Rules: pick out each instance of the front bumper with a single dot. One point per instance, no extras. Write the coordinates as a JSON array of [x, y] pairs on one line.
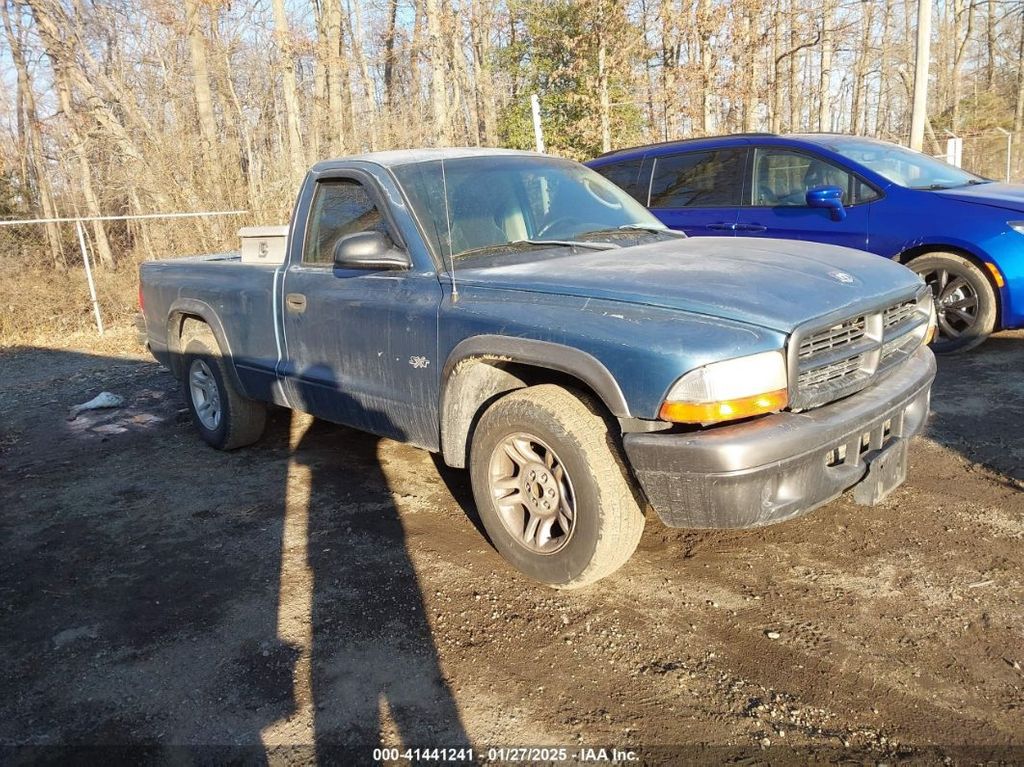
[[781, 466]]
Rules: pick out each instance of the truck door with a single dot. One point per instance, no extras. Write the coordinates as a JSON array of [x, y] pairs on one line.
[[360, 345]]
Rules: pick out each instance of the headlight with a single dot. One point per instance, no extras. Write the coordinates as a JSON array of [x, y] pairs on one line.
[[725, 391], [1017, 226]]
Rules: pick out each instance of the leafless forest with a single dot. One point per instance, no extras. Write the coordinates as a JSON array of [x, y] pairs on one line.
[[121, 108]]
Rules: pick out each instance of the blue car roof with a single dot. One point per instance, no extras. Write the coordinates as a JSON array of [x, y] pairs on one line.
[[736, 139]]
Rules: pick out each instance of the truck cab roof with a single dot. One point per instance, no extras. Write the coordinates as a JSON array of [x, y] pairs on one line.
[[396, 157]]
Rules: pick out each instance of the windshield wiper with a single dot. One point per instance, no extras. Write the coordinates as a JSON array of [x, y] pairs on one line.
[[647, 228], [522, 244], [572, 244], [653, 229]]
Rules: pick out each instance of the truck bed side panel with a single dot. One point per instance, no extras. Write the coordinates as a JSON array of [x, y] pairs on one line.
[[220, 289]]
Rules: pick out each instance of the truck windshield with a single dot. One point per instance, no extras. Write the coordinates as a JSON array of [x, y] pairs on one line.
[[497, 202], [903, 166]]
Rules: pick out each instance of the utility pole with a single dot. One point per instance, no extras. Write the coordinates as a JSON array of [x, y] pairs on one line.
[[924, 36]]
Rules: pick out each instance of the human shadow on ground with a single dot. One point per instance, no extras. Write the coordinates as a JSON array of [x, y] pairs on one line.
[[375, 669], [149, 595]]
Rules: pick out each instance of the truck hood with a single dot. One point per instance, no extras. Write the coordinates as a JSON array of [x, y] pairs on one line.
[[1009, 196], [776, 284]]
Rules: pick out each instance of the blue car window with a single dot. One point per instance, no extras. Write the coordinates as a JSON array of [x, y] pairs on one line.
[[782, 178], [626, 175], [709, 179]]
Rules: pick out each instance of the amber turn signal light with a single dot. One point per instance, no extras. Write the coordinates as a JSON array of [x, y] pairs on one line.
[[726, 410]]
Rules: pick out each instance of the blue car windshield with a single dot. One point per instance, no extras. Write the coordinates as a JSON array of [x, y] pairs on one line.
[[903, 166], [507, 203]]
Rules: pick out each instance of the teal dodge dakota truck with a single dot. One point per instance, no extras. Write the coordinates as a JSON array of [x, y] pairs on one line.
[[534, 324]]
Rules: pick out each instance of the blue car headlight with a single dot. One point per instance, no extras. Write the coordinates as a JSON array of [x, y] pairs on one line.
[[1017, 226]]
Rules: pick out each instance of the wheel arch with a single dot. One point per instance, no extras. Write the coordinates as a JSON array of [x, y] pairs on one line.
[[483, 368], [180, 313], [908, 255]]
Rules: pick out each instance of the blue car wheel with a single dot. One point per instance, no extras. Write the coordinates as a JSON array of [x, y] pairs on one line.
[[965, 302]]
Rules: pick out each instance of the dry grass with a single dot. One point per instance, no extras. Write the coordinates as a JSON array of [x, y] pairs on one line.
[[42, 307]]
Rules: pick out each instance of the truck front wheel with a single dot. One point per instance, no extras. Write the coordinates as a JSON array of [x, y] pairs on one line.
[[552, 488], [224, 417]]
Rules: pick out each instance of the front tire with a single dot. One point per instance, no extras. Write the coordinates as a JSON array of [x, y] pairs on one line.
[[551, 487], [225, 418], [965, 301]]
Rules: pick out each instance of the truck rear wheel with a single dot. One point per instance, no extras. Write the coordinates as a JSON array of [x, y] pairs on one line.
[[552, 488], [224, 417]]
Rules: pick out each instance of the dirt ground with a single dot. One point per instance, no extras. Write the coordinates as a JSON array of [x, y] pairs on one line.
[[324, 587]]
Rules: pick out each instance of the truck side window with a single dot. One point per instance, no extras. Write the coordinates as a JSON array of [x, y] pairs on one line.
[[782, 178], [709, 179], [340, 207]]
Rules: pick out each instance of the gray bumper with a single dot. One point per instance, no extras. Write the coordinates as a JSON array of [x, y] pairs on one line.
[[775, 468]]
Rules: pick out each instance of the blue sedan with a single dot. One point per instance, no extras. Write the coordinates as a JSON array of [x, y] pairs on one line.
[[962, 233]]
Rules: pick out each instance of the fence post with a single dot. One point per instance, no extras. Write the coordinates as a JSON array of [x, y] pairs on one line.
[[88, 275], [538, 131]]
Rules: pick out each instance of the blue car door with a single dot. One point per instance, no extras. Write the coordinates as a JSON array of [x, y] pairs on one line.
[[775, 203], [698, 192], [360, 345]]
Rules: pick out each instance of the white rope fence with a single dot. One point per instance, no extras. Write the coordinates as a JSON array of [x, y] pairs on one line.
[[80, 232]]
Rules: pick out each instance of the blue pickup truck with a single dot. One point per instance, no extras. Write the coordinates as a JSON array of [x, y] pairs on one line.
[[531, 322]]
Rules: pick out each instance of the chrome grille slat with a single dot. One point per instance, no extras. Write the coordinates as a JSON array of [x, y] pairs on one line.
[[841, 358], [838, 335]]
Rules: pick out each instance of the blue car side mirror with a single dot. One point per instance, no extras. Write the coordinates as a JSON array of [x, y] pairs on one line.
[[830, 197]]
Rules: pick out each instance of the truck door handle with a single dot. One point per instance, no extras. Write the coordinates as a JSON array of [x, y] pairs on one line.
[[296, 302], [749, 228], [723, 226]]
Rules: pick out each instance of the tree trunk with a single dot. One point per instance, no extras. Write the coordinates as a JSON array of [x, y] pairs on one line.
[[825, 66], [368, 99], [958, 56], [36, 175], [480, 39], [990, 45], [203, 97], [858, 110], [706, 65], [57, 54], [286, 70], [336, 117], [602, 81], [438, 74], [52, 23], [1018, 112], [389, 56]]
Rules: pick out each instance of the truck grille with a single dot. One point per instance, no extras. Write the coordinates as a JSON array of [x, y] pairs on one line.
[[837, 335], [844, 356]]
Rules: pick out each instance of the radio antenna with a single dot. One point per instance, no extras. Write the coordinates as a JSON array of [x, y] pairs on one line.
[[448, 221]]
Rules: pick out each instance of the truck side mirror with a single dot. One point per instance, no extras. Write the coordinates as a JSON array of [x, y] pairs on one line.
[[828, 197], [368, 250]]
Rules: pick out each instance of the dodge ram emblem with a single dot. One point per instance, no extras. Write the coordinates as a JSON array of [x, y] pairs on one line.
[[843, 277]]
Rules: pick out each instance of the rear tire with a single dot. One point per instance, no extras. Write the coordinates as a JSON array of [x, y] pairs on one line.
[[225, 418], [552, 489], [965, 301]]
